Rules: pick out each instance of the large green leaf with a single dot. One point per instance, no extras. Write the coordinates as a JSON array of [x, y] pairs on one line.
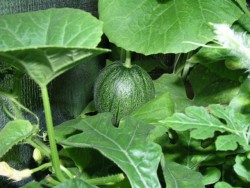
[[13, 133], [128, 146], [47, 43], [52, 27], [161, 26], [178, 176], [204, 122]]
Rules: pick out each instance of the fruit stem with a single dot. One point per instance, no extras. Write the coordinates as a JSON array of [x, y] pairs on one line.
[[128, 60]]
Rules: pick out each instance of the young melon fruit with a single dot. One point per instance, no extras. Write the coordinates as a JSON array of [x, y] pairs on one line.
[[121, 90]]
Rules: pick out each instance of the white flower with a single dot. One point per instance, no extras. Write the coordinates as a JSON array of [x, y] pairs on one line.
[[237, 42], [11, 173]]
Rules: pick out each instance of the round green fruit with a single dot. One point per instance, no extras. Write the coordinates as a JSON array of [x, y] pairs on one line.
[[121, 90]]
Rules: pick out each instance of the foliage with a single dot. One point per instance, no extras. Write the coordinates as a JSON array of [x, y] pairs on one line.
[[150, 27], [194, 133]]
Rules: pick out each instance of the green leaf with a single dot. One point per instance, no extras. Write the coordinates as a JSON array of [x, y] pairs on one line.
[[64, 130], [204, 122], [224, 142], [173, 85], [47, 43], [243, 22], [155, 110], [208, 88], [198, 119], [192, 153], [50, 28], [242, 167], [128, 146], [211, 175], [178, 176], [75, 183], [219, 61], [241, 102], [14, 132], [222, 185], [212, 88], [151, 26]]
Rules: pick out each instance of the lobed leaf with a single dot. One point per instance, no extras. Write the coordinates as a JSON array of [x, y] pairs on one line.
[[204, 122], [13, 133], [128, 146]]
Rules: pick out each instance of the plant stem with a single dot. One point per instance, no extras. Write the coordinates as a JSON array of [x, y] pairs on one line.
[[243, 7], [42, 167], [128, 60], [51, 181], [67, 172], [106, 180], [51, 134], [35, 142]]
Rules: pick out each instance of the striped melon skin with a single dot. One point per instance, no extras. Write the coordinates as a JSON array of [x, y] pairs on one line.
[[121, 90]]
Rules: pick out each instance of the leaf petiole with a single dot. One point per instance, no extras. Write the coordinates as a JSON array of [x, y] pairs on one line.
[[51, 134]]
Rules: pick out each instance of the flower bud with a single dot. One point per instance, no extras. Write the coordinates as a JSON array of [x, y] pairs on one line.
[[38, 156]]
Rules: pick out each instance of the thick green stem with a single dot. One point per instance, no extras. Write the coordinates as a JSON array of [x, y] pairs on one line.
[[51, 134], [106, 180], [128, 60], [243, 7]]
